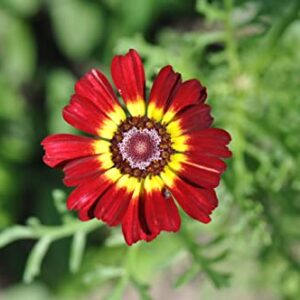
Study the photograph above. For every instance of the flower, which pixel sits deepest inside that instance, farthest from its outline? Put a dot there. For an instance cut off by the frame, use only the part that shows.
(146, 155)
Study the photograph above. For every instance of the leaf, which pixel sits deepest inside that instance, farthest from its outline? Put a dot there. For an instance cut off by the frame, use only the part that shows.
(118, 290)
(78, 26)
(142, 289)
(220, 257)
(15, 127)
(59, 198)
(34, 291)
(210, 10)
(77, 250)
(14, 233)
(103, 273)
(187, 276)
(18, 53)
(7, 192)
(35, 259)
(150, 257)
(214, 241)
(60, 85)
(22, 7)
(220, 279)
(144, 12)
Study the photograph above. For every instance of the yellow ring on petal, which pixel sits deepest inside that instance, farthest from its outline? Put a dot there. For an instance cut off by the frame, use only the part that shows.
(153, 183)
(101, 146)
(137, 191)
(128, 182)
(105, 160)
(154, 112)
(117, 115)
(176, 160)
(113, 174)
(169, 115)
(174, 129)
(180, 143)
(168, 177)
(177, 138)
(108, 129)
(137, 107)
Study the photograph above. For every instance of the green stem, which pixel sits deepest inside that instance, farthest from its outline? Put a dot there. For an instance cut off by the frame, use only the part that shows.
(231, 45)
(238, 113)
(279, 238)
(52, 232)
(58, 232)
(45, 236)
(194, 249)
(129, 265)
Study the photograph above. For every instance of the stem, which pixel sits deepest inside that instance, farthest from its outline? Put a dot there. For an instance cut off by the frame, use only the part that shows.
(194, 249)
(58, 232)
(129, 264)
(279, 238)
(231, 46)
(39, 231)
(238, 113)
(45, 236)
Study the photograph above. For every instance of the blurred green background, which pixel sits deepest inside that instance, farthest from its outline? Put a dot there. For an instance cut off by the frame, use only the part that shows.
(247, 54)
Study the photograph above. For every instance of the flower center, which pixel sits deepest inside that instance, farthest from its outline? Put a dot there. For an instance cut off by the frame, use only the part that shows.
(140, 147)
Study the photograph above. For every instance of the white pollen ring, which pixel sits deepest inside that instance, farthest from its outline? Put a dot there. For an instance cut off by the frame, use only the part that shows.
(140, 147)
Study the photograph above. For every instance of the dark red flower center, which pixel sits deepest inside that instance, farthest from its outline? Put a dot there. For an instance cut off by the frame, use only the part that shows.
(141, 146)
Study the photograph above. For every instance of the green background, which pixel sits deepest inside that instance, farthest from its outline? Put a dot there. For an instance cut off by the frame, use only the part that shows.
(247, 54)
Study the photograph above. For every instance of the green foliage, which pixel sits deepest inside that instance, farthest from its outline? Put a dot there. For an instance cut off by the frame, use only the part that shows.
(59, 87)
(21, 7)
(246, 53)
(78, 26)
(18, 49)
(45, 235)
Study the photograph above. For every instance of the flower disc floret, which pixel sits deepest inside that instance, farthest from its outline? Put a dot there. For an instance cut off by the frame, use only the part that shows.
(141, 147)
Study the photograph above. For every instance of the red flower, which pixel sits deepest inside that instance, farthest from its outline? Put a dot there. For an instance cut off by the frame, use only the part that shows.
(146, 154)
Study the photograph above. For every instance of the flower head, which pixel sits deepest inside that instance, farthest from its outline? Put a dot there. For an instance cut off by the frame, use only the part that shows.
(145, 156)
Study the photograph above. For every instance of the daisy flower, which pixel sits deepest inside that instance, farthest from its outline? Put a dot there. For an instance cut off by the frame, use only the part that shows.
(142, 157)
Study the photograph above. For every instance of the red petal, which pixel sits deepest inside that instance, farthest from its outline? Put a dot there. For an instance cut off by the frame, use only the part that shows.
(196, 202)
(196, 117)
(211, 142)
(95, 87)
(164, 87)
(215, 133)
(113, 205)
(210, 162)
(84, 115)
(60, 148)
(161, 212)
(190, 92)
(88, 192)
(129, 77)
(134, 224)
(87, 212)
(81, 170)
(199, 175)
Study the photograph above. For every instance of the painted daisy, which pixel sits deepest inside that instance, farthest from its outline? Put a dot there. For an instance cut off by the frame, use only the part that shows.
(145, 156)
